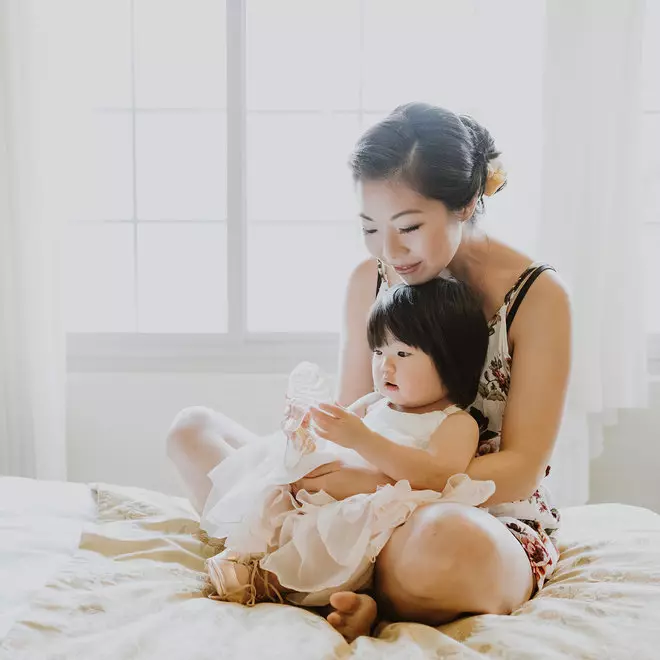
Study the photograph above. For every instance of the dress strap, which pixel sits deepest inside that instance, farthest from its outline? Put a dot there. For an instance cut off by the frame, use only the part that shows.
(520, 289)
(452, 409)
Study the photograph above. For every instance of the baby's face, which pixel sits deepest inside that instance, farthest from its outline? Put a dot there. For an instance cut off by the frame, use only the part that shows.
(406, 376)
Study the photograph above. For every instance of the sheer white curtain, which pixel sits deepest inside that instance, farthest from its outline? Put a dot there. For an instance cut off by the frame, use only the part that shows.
(591, 220)
(32, 344)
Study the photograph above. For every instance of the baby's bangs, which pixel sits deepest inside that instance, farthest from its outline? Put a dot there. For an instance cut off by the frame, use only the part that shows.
(393, 316)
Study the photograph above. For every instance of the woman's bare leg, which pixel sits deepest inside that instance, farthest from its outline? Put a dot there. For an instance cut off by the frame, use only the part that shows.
(197, 441)
(447, 560)
(452, 559)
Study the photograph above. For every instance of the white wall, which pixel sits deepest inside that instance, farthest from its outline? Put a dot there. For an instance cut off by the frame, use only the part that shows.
(117, 423)
(629, 468)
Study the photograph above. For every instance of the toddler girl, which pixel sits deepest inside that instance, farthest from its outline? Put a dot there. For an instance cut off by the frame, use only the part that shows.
(429, 345)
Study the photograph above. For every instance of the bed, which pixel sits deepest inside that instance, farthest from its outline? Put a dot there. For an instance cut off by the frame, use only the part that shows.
(101, 571)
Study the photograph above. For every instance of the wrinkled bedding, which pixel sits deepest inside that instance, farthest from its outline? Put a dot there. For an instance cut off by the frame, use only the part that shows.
(100, 571)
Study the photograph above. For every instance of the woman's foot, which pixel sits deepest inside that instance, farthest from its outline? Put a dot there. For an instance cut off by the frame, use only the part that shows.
(354, 614)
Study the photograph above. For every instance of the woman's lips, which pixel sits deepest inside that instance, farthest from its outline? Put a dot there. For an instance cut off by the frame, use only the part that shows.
(406, 270)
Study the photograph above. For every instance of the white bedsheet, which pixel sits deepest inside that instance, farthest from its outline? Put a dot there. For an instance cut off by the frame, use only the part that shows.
(118, 575)
(40, 527)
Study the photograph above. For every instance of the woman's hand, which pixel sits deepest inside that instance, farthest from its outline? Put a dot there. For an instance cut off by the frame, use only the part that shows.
(341, 481)
(339, 425)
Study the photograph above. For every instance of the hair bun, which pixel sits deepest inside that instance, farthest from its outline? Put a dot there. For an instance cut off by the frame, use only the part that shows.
(489, 170)
(483, 146)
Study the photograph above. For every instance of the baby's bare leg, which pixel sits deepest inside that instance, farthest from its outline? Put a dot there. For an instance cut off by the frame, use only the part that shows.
(197, 441)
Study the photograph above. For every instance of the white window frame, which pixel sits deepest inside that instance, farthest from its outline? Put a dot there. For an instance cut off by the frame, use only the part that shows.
(237, 350)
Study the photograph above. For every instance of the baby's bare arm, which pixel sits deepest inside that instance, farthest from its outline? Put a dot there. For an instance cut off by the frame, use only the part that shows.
(360, 406)
(451, 449)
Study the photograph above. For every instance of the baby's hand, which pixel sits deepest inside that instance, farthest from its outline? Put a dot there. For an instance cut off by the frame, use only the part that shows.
(339, 425)
(360, 406)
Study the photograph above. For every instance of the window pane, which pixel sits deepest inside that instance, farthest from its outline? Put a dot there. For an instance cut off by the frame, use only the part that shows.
(292, 289)
(108, 69)
(180, 59)
(99, 281)
(298, 166)
(652, 277)
(181, 166)
(182, 277)
(109, 172)
(303, 55)
(419, 51)
(410, 52)
(167, 56)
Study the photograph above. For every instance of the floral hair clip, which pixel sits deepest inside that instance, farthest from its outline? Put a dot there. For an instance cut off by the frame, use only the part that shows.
(495, 179)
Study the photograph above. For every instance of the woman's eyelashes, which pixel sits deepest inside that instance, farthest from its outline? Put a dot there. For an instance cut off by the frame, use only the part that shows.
(407, 230)
(402, 230)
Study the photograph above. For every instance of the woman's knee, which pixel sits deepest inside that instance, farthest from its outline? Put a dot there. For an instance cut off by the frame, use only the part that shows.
(442, 538)
(446, 559)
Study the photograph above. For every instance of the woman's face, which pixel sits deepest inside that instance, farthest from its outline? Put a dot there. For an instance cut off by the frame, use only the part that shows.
(415, 235)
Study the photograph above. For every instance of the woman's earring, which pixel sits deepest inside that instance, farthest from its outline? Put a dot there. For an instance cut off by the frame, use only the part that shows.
(382, 271)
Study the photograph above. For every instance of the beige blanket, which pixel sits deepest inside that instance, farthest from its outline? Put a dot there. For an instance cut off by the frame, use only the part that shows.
(131, 589)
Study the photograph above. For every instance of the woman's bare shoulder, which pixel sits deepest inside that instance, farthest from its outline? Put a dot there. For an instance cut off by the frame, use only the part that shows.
(361, 290)
(364, 276)
(355, 378)
(546, 304)
(548, 289)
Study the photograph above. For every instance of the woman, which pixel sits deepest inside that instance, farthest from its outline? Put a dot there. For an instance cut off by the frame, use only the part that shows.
(421, 175)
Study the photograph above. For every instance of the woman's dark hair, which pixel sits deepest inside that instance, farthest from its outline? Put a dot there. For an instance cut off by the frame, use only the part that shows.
(444, 319)
(439, 154)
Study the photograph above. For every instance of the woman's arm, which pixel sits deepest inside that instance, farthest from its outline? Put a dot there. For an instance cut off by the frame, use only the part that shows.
(342, 481)
(355, 378)
(451, 448)
(541, 338)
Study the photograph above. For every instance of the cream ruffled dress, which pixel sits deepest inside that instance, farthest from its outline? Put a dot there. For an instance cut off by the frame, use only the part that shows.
(314, 544)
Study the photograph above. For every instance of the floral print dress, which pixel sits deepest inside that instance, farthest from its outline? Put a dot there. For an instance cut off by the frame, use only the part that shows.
(534, 521)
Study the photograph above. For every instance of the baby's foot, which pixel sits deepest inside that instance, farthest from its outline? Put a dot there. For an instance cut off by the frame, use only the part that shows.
(232, 578)
(239, 579)
(354, 614)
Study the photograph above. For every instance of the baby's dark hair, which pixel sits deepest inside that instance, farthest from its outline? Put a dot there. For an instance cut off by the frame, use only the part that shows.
(444, 319)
